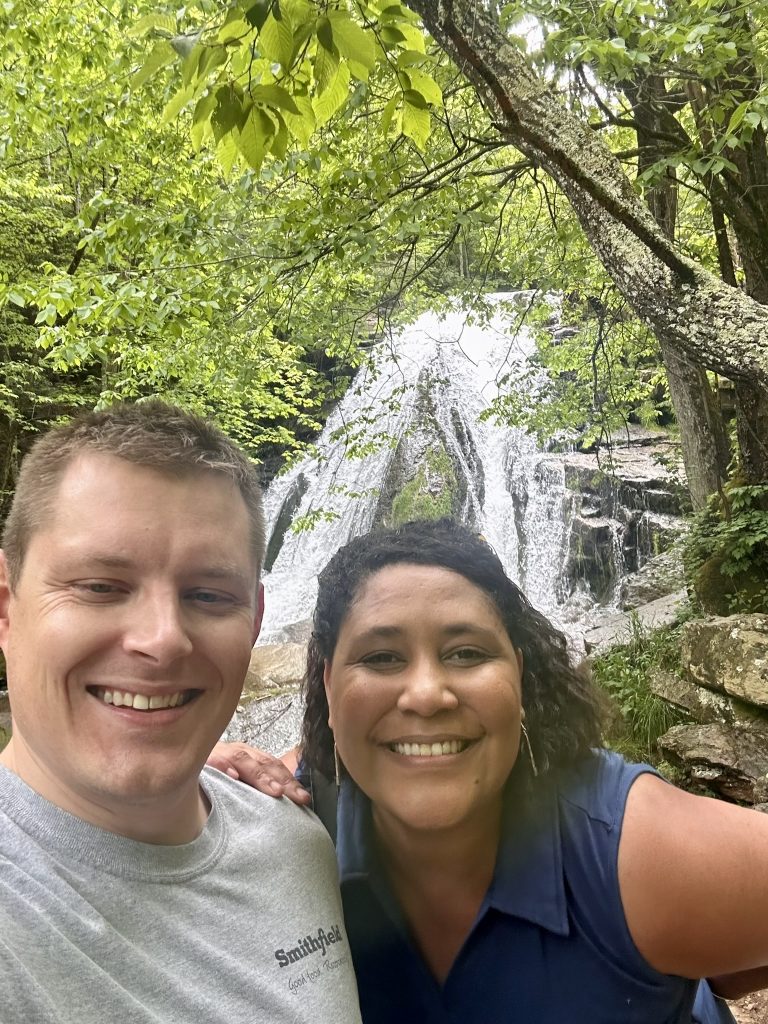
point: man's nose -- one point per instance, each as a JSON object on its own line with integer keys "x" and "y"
{"x": 156, "y": 628}
{"x": 427, "y": 688}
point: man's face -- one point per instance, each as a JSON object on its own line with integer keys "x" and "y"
{"x": 127, "y": 639}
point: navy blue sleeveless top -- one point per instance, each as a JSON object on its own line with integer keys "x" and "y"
{"x": 550, "y": 944}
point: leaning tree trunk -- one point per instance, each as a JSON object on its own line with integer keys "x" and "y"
{"x": 703, "y": 437}
{"x": 690, "y": 310}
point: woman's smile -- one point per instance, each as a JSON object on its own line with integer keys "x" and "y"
{"x": 429, "y": 748}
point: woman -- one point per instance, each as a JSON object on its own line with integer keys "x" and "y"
{"x": 494, "y": 866}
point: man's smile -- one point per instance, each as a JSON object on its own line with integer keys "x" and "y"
{"x": 143, "y": 701}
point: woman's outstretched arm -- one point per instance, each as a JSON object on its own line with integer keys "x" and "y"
{"x": 693, "y": 875}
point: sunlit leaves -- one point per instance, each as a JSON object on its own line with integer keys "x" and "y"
{"x": 299, "y": 64}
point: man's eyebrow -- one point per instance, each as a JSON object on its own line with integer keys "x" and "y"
{"x": 211, "y": 572}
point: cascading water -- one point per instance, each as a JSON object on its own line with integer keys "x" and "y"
{"x": 515, "y": 494}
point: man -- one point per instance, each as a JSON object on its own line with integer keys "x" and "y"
{"x": 133, "y": 888}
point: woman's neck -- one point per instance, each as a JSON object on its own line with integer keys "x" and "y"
{"x": 440, "y": 878}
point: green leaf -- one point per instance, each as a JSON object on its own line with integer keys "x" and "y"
{"x": 352, "y": 41}
{"x": 257, "y": 14}
{"x": 175, "y": 104}
{"x": 164, "y": 22}
{"x": 160, "y": 56}
{"x": 416, "y": 123}
{"x": 414, "y": 99}
{"x": 412, "y": 36}
{"x": 274, "y": 96}
{"x": 333, "y": 97}
{"x": 325, "y": 36}
{"x": 201, "y": 120}
{"x": 326, "y": 66}
{"x": 389, "y": 113}
{"x": 276, "y": 41}
{"x": 211, "y": 58}
{"x": 406, "y": 58}
{"x": 228, "y": 112}
{"x": 280, "y": 141}
{"x": 391, "y": 36}
{"x": 738, "y": 116}
{"x": 427, "y": 86}
{"x": 301, "y": 126}
{"x": 254, "y": 138}
{"x": 226, "y": 152}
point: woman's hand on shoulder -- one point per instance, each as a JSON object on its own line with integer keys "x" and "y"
{"x": 693, "y": 875}
{"x": 263, "y": 771}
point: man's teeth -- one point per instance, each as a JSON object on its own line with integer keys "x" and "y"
{"x": 430, "y": 749}
{"x": 140, "y": 701}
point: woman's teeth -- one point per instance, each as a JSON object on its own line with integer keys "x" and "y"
{"x": 140, "y": 701}
{"x": 429, "y": 749}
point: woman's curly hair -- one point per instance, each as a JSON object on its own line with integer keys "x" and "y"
{"x": 561, "y": 710}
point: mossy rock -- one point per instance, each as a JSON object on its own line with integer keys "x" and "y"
{"x": 721, "y": 594}
{"x": 430, "y": 494}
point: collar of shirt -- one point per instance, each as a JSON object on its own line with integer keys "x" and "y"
{"x": 528, "y": 879}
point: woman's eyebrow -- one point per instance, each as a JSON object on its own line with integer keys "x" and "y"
{"x": 379, "y": 633}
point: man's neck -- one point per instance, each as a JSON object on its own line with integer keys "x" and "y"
{"x": 172, "y": 821}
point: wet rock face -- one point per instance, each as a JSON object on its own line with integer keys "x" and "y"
{"x": 629, "y": 512}
{"x": 284, "y": 519}
{"x": 662, "y": 575}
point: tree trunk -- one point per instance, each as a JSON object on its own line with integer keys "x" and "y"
{"x": 691, "y": 311}
{"x": 703, "y": 437}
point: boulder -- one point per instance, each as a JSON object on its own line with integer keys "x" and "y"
{"x": 731, "y": 762}
{"x": 273, "y": 668}
{"x": 729, "y": 654}
{"x": 705, "y": 706}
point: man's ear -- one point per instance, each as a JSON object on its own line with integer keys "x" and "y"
{"x": 5, "y": 601}
{"x": 327, "y": 685}
{"x": 258, "y": 617}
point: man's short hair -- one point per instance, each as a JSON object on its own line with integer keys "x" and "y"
{"x": 150, "y": 433}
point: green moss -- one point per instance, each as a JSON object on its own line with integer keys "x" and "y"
{"x": 430, "y": 494}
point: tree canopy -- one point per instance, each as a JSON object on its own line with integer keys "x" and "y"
{"x": 220, "y": 203}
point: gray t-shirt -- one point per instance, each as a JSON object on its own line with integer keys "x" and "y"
{"x": 243, "y": 925}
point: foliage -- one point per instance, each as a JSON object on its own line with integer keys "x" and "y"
{"x": 626, "y": 673}
{"x": 676, "y": 90}
{"x": 265, "y": 75}
{"x": 726, "y": 550}
{"x": 223, "y": 205}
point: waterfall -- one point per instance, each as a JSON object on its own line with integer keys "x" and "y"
{"x": 515, "y": 494}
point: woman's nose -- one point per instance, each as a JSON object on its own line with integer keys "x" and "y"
{"x": 426, "y": 689}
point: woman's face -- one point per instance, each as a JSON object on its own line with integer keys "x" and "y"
{"x": 424, "y": 697}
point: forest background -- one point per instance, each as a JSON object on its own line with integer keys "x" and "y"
{"x": 224, "y": 204}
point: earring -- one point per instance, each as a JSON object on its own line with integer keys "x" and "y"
{"x": 336, "y": 766}
{"x": 527, "y": 741}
